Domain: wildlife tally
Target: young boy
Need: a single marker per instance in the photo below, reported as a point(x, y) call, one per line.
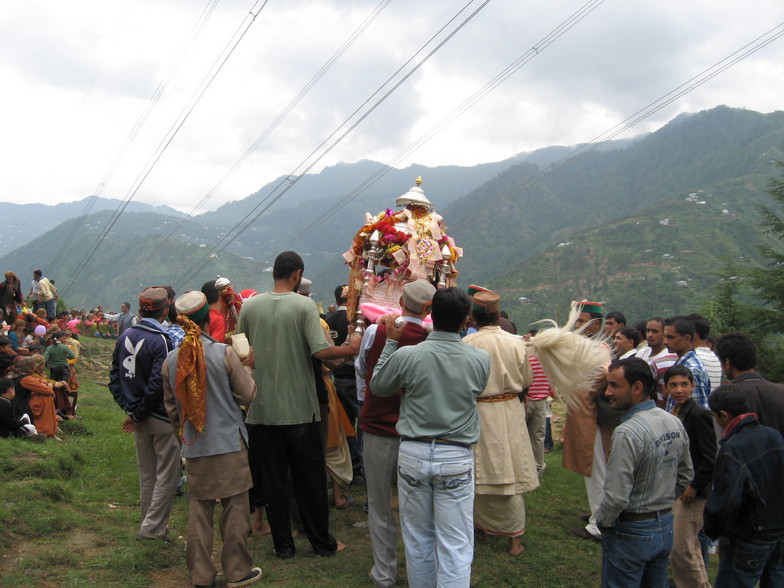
point(688, 564)
point(746, 505)
point(10, 424)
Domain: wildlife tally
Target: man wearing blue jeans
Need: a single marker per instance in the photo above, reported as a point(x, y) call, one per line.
point(649, 466)
point(745, 508)
point(441, 379)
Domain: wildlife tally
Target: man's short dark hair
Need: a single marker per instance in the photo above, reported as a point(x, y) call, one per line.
point(631, 333)
point(739, 349)
point(450, 309)
point(728, 398)
point(682, 325)
point(701, 324)
point(5, 385)
point(616, 315)
point(210, 291)
point(154, 314)
point(286, 264)
point(658, 319)
point(642, 329)
point(338, 295)
point(636, 370)
point(4, 341)
point(484, 319)
point(678, 370)
point(128, 304)
point(38, 273)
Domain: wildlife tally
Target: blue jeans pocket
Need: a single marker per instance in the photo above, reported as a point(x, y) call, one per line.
point(749, 557)
point(455, 475)
point(630, 550)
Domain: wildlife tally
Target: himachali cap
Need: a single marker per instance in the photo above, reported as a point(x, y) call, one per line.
point(193, 304)
point(487, 302)
point(472, 289)
point(418, 296)
point(592, 307)
point(153, 299)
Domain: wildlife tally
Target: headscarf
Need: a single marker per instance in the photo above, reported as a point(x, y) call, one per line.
point(27, 365)
point(190, 386)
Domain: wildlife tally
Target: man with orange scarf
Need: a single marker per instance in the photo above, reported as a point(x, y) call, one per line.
point(204, 385)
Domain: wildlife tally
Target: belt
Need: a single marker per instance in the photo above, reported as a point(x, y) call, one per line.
point(631, 517)
point(499, 397)
point(437, 441)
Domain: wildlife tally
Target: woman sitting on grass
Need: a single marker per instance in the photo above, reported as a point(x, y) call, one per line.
point(35, 392)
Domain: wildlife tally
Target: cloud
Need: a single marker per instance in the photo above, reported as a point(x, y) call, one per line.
point(78, 75)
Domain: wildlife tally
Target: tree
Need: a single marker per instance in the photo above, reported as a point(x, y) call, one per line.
point(768, 282)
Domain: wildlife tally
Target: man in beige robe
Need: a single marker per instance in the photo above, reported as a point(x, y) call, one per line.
point(505, 464)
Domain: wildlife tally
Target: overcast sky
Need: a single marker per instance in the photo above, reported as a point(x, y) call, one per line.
point(76, 77)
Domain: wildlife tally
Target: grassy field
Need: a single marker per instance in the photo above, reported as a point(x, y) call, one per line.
point(69, 516)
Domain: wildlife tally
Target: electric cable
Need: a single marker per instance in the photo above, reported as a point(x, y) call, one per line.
point(272, 126)
point(291, 179)
point(174, 129)
point(151, 103)
point(518, 63)
point(706, 75)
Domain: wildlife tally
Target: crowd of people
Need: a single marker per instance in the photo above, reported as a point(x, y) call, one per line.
point(677, 436)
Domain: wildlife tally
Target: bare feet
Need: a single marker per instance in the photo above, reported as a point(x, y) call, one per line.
point(259, 526)
point(341, 547)
point(515, 547)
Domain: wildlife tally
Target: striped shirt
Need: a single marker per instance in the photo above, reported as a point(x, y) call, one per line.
point(540, 386)
point(712, 365)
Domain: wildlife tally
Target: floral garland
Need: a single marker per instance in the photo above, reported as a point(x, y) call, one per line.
point(391, 239)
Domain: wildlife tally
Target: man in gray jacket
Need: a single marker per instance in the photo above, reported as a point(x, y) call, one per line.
point(649, 466)
point(204, 386)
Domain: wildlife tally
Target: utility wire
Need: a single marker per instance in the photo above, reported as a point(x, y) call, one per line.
point(172, 133)
point(512, 68)
point(273, 125)
point(290, 180)
point(667, 99)
point(151, 103)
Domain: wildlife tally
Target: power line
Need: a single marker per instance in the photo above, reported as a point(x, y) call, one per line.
point(706, 75)
point(151, 103)
point(274, 124)
point(173, 130)
point(291, 179)
point(518, 63)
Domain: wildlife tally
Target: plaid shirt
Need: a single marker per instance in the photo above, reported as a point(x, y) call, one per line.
point(176, 334)
point(702, 386)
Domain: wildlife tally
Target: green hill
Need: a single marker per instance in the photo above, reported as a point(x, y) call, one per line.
point(659, 261)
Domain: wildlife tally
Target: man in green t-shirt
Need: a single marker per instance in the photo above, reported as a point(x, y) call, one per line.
point(284, 330)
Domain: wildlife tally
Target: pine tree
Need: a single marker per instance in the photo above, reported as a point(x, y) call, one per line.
point(768, 282)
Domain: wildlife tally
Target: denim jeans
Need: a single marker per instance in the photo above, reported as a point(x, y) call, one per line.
point(636, 553)
point(744, 563)
point(436, 496)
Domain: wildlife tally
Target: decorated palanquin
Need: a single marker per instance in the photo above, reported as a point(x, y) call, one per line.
point(395, 247)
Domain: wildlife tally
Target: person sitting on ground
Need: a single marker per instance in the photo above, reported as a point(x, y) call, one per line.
point(36, 392)
point(12, 425)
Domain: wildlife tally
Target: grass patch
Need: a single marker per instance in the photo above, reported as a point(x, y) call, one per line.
point(70, 512)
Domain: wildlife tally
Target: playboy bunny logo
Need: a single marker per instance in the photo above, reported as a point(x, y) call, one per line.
point(129, 363)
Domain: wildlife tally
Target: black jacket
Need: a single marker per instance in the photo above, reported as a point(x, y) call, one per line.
point(748, 485)
point(702, 444)
point(764, 398)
